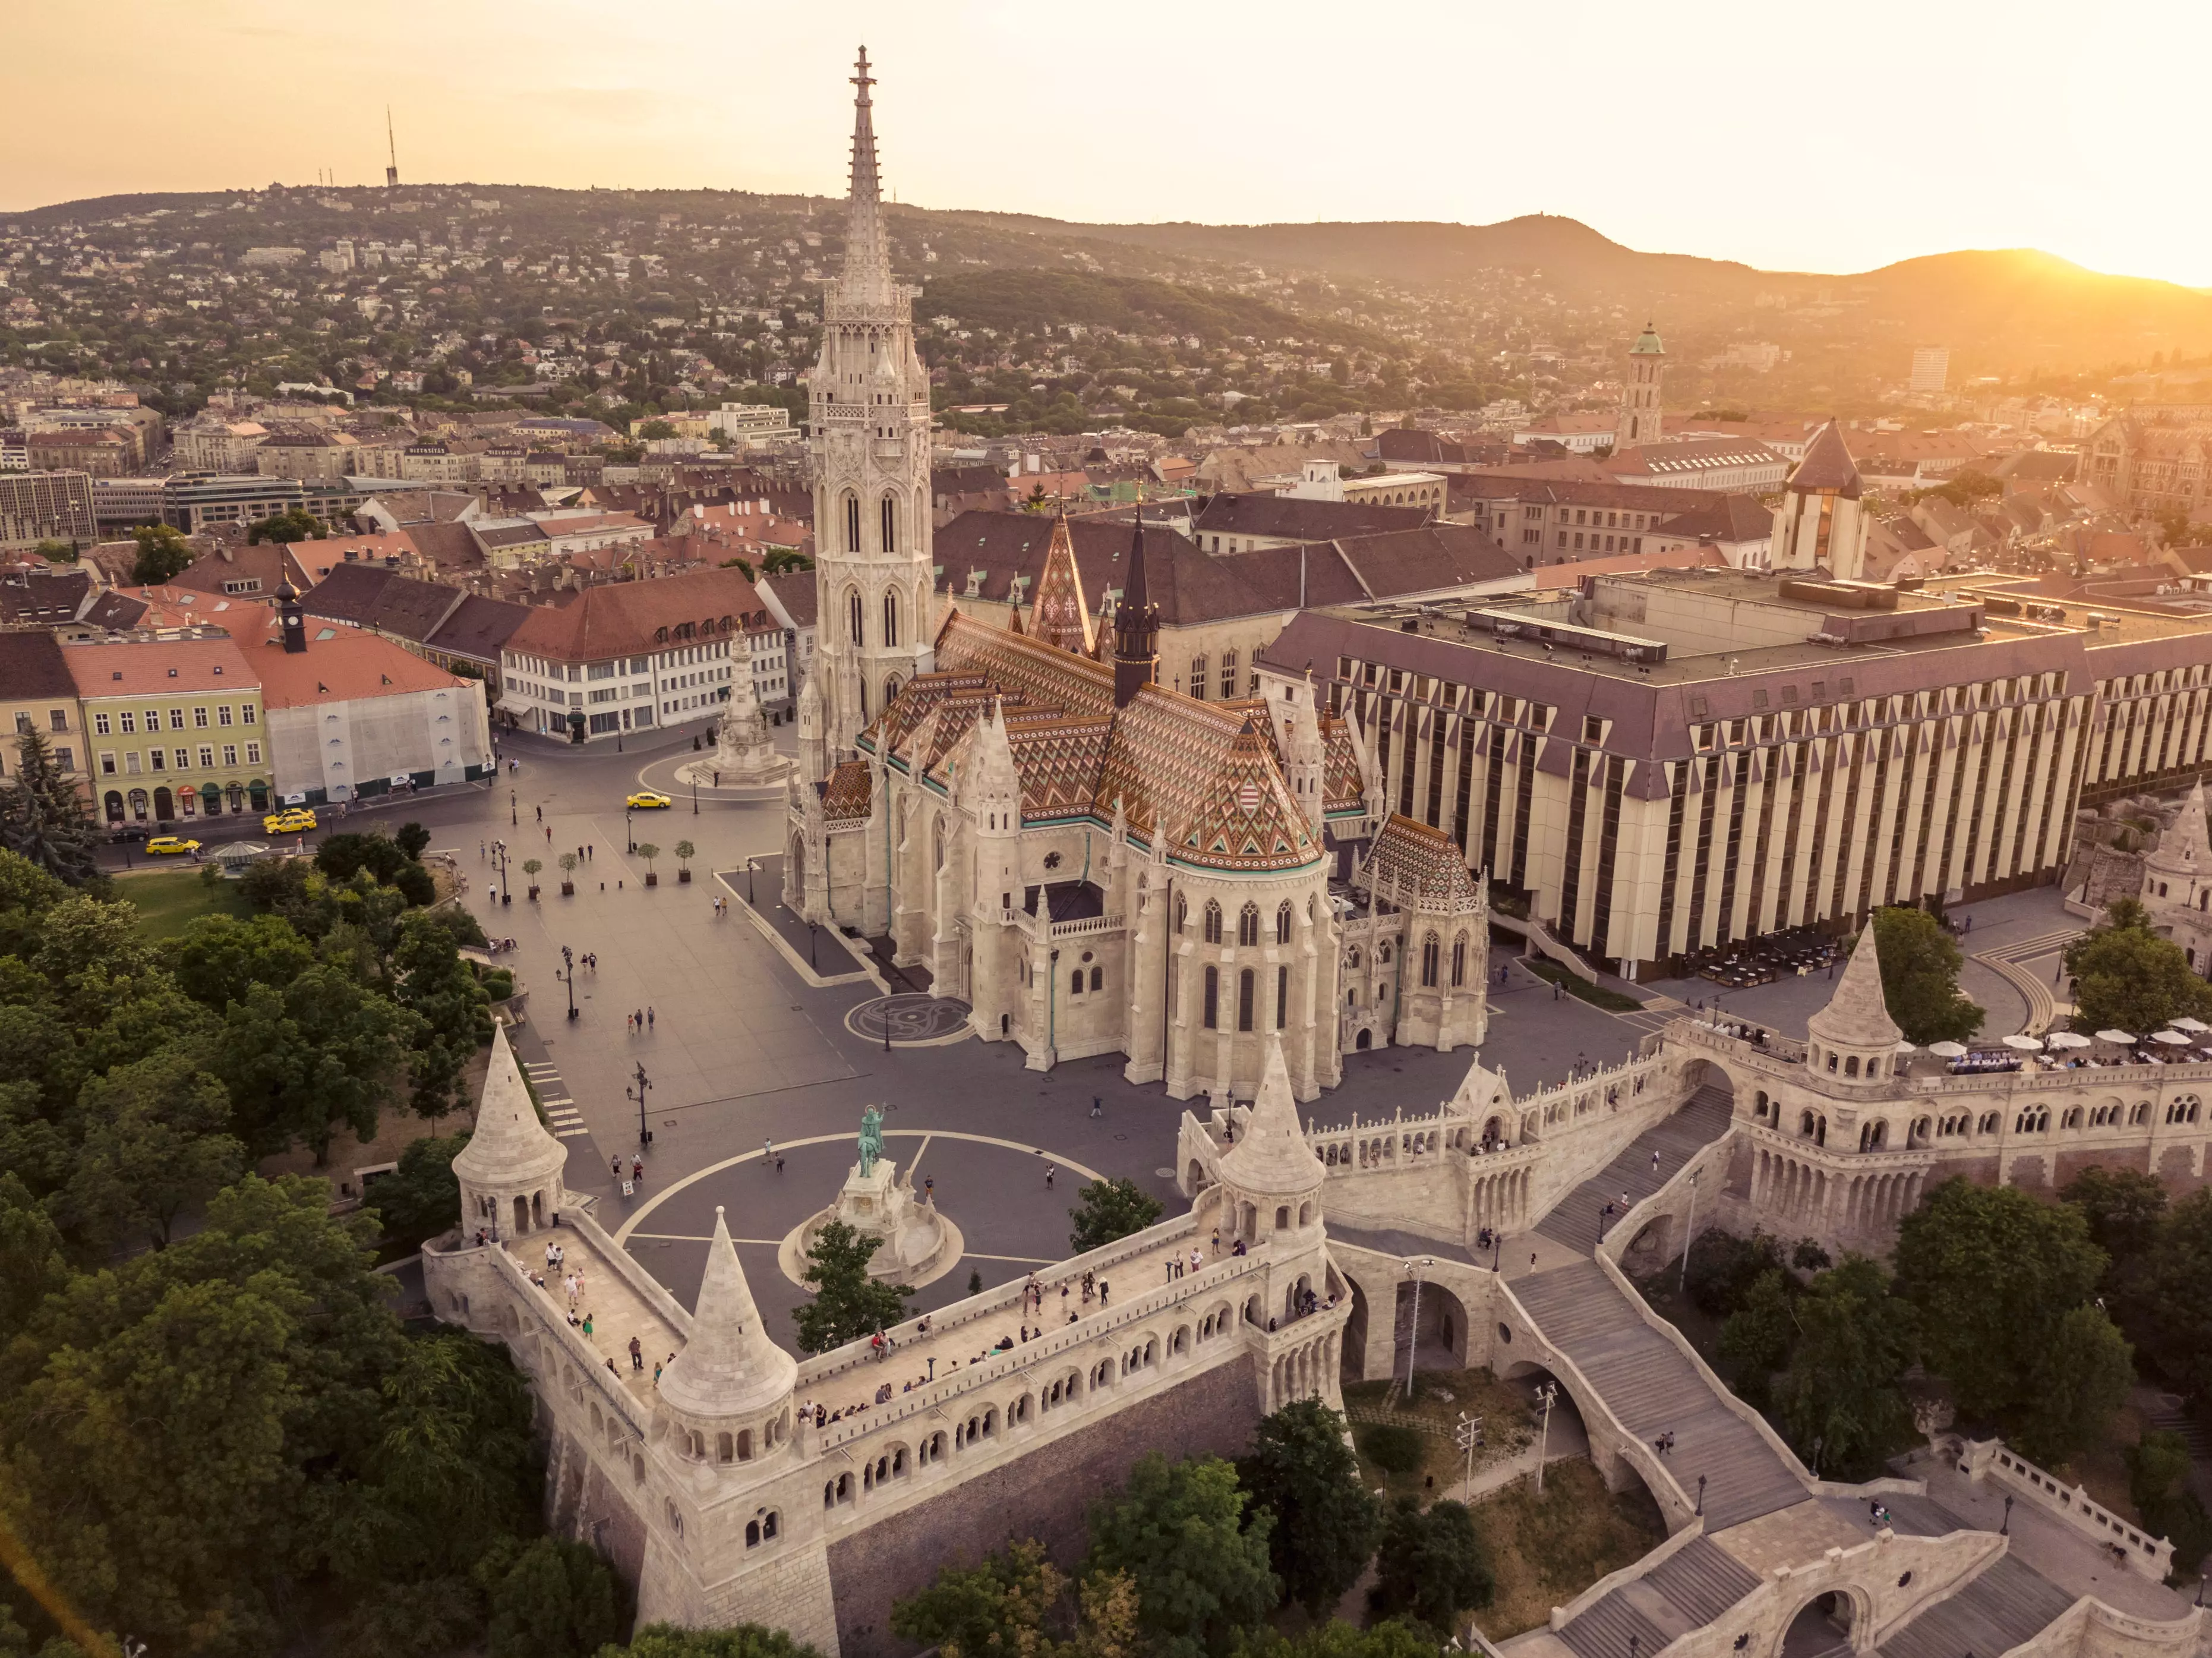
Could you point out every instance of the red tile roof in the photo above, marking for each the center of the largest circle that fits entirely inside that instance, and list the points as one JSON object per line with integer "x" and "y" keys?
{"x": 134, "y": 667}
{"x": 341, "y": 664}
{"x": 622, "y": 619}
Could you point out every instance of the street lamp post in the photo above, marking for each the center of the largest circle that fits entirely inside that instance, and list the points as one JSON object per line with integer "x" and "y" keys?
{"x": 637, "y": 1093}
{"x": 568, "y": 977}
{"x": 1689, "y": 1231}
{"x": 1701, "y": 1495}
{"x": 514, "y": 807}
{"x": 1420, "y": 1264}
{"x": 813, "y": 928}
{"x": 750, "y": 865}
{"x": 1545, "y": 1395}
{"x": 629, "y": 833}
{"x": 695, "y": 796}
{"x": 1468, "y": 1434}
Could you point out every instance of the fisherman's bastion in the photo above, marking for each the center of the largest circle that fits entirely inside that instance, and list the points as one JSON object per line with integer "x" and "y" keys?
{"x": 1222, "y": 893}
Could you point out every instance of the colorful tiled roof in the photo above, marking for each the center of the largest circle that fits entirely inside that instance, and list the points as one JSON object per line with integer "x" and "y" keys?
{"x": 1206, "y": 776}
{"x": 1058, "y": 617}
{"x": 1418, "y": 867}
{"x": 847, "y": 795}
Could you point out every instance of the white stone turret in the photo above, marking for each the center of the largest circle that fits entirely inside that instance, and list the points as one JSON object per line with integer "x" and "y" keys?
{"x": 813, "y": 743}
{"x": 728, "y": 1391}
{"x": 1271, "y": 1173}
{"x": 510, "y": 1170}
{"x": 1854, "y": 1040}
{"x": 1298, "y": 718}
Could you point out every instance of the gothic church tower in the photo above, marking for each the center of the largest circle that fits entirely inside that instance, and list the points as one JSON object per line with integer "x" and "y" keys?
{"x": 871, "y": 453}
{"x": 1640, "y": 394}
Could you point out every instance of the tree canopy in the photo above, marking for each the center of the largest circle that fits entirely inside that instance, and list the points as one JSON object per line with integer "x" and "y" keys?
{"x": 2128, "y": 977}
{"x": 1326, "y": 1524}
{"x": 1198, "y": 1561}
{"x": 847, "y": 1303}
{"x": 1107, "y": 1209}
{"x": 1431, "y": 1566}
{"x": 43, "y": 817}
{"x": 1920, "y": 965}
{"x": 163, "y": 554}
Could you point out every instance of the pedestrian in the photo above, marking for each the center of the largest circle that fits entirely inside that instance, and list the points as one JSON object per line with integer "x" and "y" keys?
{"x": 587, "y": 1331}
{"x": 779, "y": 1164}
{"x": 767, "y": 1151}
{"x": 614, "y": 1165}
{"x": 591, "y": 851}
{"x": 1655, "y": 1161}
{"x": 648, "y": 1019}
{"x": 640, "y": 1017}
{"x": 1104, "y": 1288}
{"x": 636, "y": 1354}
{"x": 548, "y": 830}
{"x": 1049, "y": 1173}
{"x": 1196, "y": 1261}
{"x": 656, "y": 1372}
{"x": 602, "y": 887}
{"x": 629, "y": 1025}
{"x": 1624, "y": 1202}
{"x": 1097, "y": 1107}
{"x": 637, "y": 1169}
{"x": 481, "y": 853}
{"x": 541, "y": 818}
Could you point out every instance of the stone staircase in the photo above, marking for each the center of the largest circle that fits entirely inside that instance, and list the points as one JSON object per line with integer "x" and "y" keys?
{"x": 1648, "y": 1383}
{"x": 1689, "y": 1590}
{"x": 1704, "y": 1118}
{"x": 2003, "y": 1606}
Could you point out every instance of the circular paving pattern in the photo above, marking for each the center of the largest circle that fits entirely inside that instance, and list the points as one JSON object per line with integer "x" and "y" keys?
{"x": 913, "y": 1021}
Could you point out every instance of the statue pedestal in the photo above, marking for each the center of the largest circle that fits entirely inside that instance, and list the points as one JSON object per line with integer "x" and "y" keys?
{"x": 917, "y": 1244}
{"x": 745, "y": 761}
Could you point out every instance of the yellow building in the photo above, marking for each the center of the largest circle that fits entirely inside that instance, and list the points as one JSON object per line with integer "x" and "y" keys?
{"x": 174, "y": 727}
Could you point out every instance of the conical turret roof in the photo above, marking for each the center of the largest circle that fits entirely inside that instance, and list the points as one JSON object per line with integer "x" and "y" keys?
{"x": 2183, "y": 845}
{"x": 509, "y": 1146}
{"x": 1272, "y": 1159}
{"x": 1647, "y": 344}
{"x": 1857, "y": 1015}
{"x": 729, "y": 1368}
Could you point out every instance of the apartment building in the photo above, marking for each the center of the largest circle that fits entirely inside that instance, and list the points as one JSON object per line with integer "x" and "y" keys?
{"x": 174, "y": 727}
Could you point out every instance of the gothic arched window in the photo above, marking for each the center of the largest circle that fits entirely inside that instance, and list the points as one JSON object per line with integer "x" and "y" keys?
{"x": 1244, "y": 1000}
{"x": 1214, "y": 998}
{"x": 852, "y": 521}
{"x": 890, "y": 513}
{"x": 890, "y": 616}
{"x": 1429, "y": 962}
{"x": 1183, "y": 913}
{"x": 854, "y": 617}
{"x": 1198, "y": 677}
{"x": 1228, "y": 674}
{"x": 1213, "y": 922}
{"x": 1283, "y": 922}
{"x": 1248, "y": 924}
{"x": 1458, "y": 960}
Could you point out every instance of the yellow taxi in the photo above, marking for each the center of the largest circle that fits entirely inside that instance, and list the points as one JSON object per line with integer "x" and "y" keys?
{"x": 646, "y": 800}
{"x": 170, "y": 846}
{"x": 293, "y": 820}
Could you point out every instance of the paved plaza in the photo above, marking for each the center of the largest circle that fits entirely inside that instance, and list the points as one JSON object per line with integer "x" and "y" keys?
{"x": 746, "y": 1044}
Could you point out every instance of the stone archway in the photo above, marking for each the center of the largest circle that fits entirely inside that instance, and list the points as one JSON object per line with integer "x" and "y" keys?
{"x": 1824, "y": 1624}
{"x": 1441, "y": 1329}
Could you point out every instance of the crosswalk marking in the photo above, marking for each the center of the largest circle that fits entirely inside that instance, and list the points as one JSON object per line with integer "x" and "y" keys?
{"x": 549, "y": 1100}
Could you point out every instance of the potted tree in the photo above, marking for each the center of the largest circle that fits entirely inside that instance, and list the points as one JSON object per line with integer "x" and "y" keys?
{"x": 685, "y": 851}
{"x": 568, "y": 862}
{"x": 649, "y": 852}
{"x": 531, "y": 867}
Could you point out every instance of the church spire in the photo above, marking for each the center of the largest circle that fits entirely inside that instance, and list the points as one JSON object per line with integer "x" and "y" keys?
{"x": 1058, "y": 615}
{"x": 867, "y": 279}
{"x": 1136, "y": 627}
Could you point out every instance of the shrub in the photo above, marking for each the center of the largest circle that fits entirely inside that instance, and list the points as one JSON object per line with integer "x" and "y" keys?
{"x": 1393, "y": 1449}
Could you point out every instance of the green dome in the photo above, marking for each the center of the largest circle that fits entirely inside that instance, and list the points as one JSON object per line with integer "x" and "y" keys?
{"x": 1648, "y": 343}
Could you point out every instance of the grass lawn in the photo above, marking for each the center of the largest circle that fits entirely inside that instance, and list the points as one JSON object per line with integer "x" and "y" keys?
{"x": 170, "y": 900}
{"x": 1578, "y": 987}
{"x": 1546, "y": 1549}
{"x": 1434, "y": 1412}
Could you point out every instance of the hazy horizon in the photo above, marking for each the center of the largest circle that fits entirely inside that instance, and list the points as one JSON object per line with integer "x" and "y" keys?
{"x": 1764, "y": 139}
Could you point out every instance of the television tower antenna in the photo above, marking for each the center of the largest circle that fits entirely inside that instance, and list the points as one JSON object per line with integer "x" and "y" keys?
{"x": 391, "y": 172}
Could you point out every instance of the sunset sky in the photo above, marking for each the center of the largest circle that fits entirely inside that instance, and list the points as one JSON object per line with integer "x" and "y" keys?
{"x": 1787, "y": 136}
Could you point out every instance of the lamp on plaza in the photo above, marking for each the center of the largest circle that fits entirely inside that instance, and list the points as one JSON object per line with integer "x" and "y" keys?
{"x": 637, "y": 1093}
{"x": 750, "y": 865}
{"x": 813, "y": 928}
{"x": 1701, "y": 1495}
{"x": 1545, "y": 1395}
{"x": 568, "y": 977}
{"x": 628, "y": 835}
{"x": 514, "y": 807}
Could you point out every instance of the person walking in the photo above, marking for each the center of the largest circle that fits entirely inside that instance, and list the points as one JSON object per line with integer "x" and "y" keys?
{"x": 639, "y": 1016}
{"x": 768, "y": 1151}
{"x": 1654, "y": 1160}
{"x": 1097, "y": 1107}
{"x": 637, "y": 1169}
{"x": 648, "y": 1019}
{"x": 636, "y": 1354}
{"x": 1049, "y": 1171}
{"x": 541, "y": 815}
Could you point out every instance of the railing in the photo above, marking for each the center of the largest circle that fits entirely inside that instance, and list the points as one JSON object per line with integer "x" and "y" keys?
{"x": 1022, "y": 1357}
{"x": 587, "y": 1359}
{"x": 855, "y": 1354}
{"x": 1788, "y": 1050}
{"x": 1993, "y": 1458}
{"x": 1081, "y": 927}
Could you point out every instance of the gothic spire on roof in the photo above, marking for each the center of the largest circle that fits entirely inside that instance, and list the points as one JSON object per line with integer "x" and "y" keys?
{"x": 1057, "y": 614}
{"x": 509, "y": 1146}
{"x": 1272, "y": 1158}
{"x": 867, "y": 278}
{"x": 729, "y": 1368}
{"x": 1136, "y": 626}
{"x": 1857, "y": 1015}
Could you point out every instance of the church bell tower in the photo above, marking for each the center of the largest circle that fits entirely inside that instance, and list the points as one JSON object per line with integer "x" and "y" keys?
{"x": 870, "y": 439}
{"x": 1640, "y": 396}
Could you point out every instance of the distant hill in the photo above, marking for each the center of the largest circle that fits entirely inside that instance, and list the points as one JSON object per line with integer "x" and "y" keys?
{"x": 2011, "y": 307}
{"x": 1010, "y": 300}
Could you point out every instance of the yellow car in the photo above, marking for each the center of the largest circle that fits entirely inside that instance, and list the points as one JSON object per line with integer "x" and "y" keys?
{"x": 646, "y": 800}
{"x": 293, "y": 820}
{"x": 169, "y": 845}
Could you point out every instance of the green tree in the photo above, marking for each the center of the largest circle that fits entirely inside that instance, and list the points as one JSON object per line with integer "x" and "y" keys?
{"x": 1999, "y": 1279}
{"x": 294, "y": 524}
{"x": 163, "y": 555}
{"x": 685, "y": 851}
{"x": 1756, "y": 1338}
{"x": 1920, "y": 965}
{"x": 1197, "y": 1561}
{"x": 340, "y": 856}
{"x": 422, "y": 1196}
{"x": 1841, "y": 1387}
{"x": 217, "y": 958}
{"x": 56, "y": 552}
{"x": 32, "y": 1266}
{"x": 847, "y": 1303}
{"x": 744, "y": 1641}
{"x": 2159, "y": 1467}
{"x": 783, "y": 561}
{"x": 413, "y": 839}
{"x": 155, "y": 1142}
{"x": 1431, "y": 1566}
{"x": 1722, "y": 1268}
{"x": 42, "y": 816}
{"x": 998, "y": 1608}
{"x": 649, "y": 852}
{"x": 2176, "y": 1295}
{"x": 1394, "y": 1637}
{"x": 433, "y": 983}
{"x": 549, "y": 1599}
{"x": 1326, "y": 1524}
{"x": 304, "y": 1059}
{"x": 1107, "y": 1209}
{"x": 655, "y": 430}
{"x": 2127, "y": 976}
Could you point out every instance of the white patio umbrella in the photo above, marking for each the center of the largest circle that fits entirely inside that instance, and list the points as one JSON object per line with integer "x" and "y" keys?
{"x": 1948, "y": 1049}
{"x": 2024, "y": 1044}
{"x": 2172, "y": 1038}
{"x": 1908, "y": 1047}
{"x": 2066, "y": 1039}
{"x": 2121, "y": 1037}
{"x": 2193, "y": 1025}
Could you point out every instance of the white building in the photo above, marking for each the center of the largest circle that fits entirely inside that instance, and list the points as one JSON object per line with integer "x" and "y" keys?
{"x": 1931, "y": 369}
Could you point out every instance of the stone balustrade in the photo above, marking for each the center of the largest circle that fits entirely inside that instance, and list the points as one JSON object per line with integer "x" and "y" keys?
{"x": 1994, "y": 1460}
